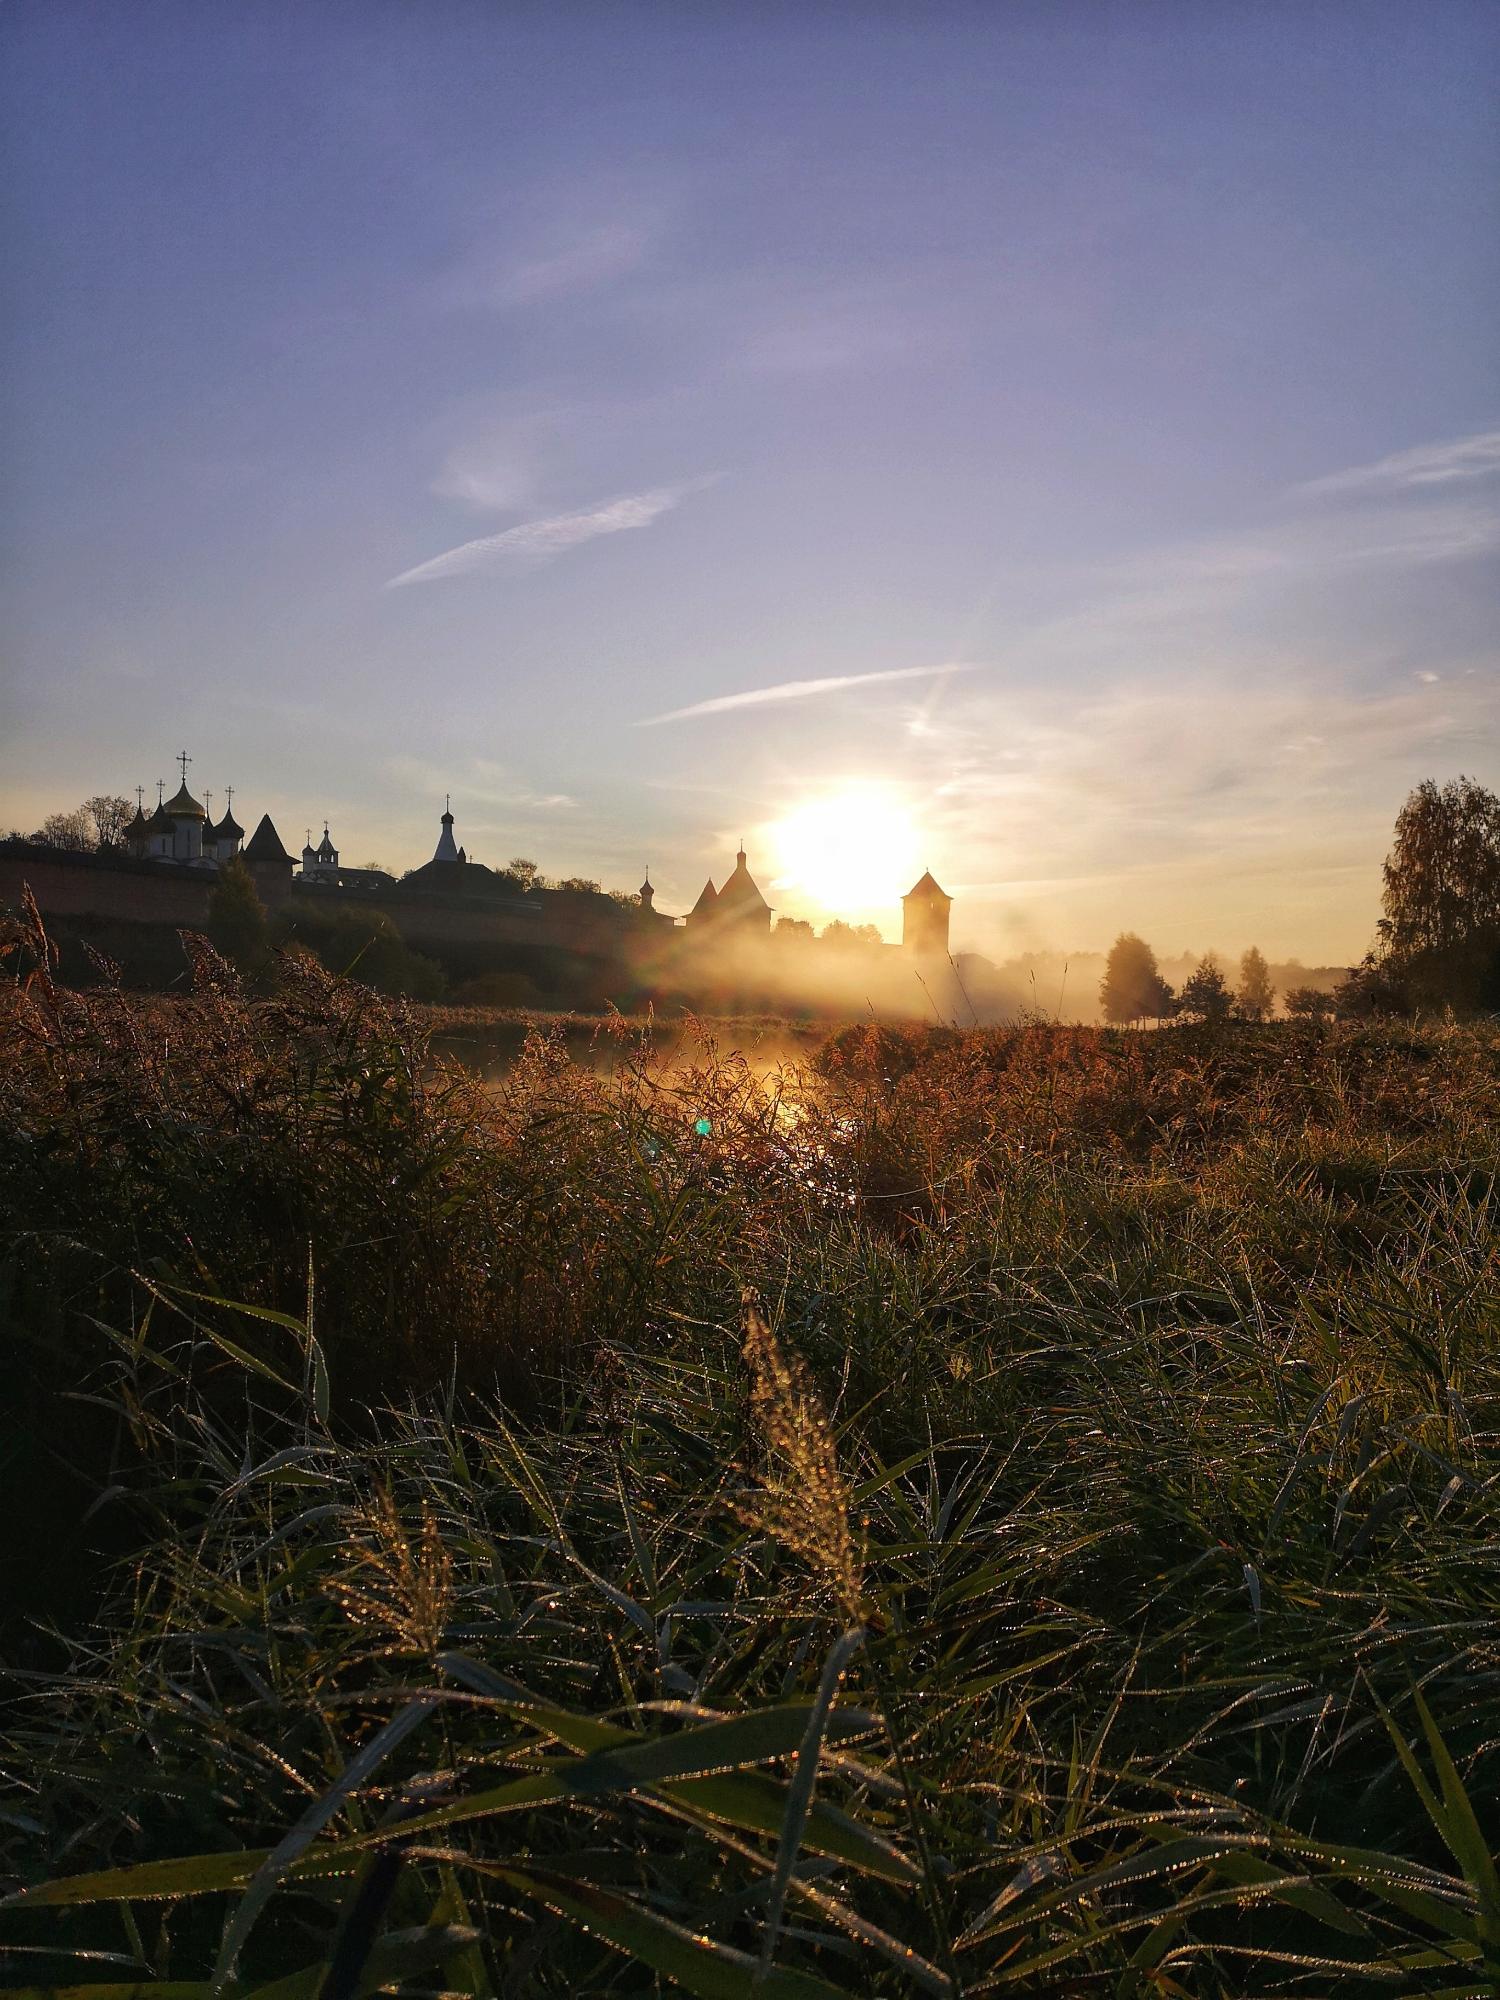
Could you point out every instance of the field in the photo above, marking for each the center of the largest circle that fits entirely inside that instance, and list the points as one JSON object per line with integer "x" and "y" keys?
{"x": 1004, "y": 1511}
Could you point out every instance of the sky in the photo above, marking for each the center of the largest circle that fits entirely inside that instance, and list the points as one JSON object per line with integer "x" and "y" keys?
{"x": 1058, "y": 446}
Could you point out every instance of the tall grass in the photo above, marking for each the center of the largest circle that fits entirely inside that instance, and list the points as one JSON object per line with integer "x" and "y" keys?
{"x": 1012, "y": 1511}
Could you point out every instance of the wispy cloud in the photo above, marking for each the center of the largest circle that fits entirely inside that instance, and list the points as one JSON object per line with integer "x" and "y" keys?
{"x": 560, "y": 244}
{"x": 797, "y": 691}
{"x": 534, "y": 543}
{"x": 1186, "y": 596}
{"x": 1476, "y": 457}
{"x": 593, "y": 259}
{"x": 1177, "y": 796}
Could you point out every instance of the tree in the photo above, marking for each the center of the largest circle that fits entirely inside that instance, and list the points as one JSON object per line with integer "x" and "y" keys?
{"x": 524, "y": 871}
{"x": 579, "y": 885}
{"x": 1442, "y": 876}
{"x": 109, "y": 816}
{"x": 236, "y": 916}
{"x": 1256, "y": 998}
{"x": 792, "y": 928}
{"x": 1375, "y": 987}
{"x": 72, "y": 831}
{"x": 1205, "y": 992}
{"x": 1439, "y": 940}
{"x": 1132, "y": 988}
{"x": 1308, "y": 1003}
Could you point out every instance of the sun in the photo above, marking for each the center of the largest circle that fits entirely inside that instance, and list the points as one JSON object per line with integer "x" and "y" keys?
{"x": 849, "y": 851}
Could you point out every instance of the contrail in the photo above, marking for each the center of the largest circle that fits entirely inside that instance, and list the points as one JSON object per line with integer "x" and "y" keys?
{"x": 536, "y": 542}
{"x": 798, "y": 691}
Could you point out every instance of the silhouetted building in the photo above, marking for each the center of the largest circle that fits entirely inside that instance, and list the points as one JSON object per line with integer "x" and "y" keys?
{"x": 222, "y": 843}
{"x": 269, "y": 863}
{"x": 445, "y": 849}
{"x": 320, "y": 863}
{"x": 738, "y": 906}
{"x": 568, "y": 940}
{"x": 181, "y": 830}
{"x": 924, "y": 917}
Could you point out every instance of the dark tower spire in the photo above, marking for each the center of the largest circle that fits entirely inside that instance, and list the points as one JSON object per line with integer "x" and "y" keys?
{"x": 447, "y": 847}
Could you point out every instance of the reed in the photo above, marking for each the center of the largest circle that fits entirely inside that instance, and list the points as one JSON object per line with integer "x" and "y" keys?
{"x": 982, "y": 1512}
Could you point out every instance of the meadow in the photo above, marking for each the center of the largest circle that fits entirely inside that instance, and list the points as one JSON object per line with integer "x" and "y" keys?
{"x": 975, "y": 1512}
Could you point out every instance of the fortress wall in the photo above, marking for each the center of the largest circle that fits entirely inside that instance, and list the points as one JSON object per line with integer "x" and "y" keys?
{"x": 273, "y": 882}
{"x": 76, "y": 886}
{"x": 430, "y": 923}
{"x": 142, "y": 892}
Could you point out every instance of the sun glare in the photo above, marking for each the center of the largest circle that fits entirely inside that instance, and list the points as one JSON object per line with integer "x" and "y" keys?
{"x": 851, "y": 851}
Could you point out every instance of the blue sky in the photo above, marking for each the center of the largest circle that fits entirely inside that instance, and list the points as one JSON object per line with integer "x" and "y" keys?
{"x": 1102, "y": 404}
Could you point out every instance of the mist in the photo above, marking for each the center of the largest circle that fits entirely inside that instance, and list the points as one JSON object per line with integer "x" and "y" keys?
{"x": 799, "y": 976}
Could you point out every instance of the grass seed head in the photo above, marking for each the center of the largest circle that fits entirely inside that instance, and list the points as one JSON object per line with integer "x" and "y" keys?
{"x": 401, "y": 1588}
{"x": 803, "y": 1501}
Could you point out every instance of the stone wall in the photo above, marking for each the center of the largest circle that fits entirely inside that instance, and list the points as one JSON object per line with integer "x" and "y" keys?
{"x": 116, "y": 887}
{"x": 540, "y": 936}
{"x": 84, "y": 885}
{"x": 433, "y": 923}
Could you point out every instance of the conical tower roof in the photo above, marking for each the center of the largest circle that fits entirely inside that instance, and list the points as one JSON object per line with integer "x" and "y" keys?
{"x": 926, "y": 885}
{"x": 739, "y": 894}
{"x": 708, "y": 900}
{"x": 265, "y": 843}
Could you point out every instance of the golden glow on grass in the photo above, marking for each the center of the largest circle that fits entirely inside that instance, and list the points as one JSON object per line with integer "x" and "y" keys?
{"x": 853, "y": 849}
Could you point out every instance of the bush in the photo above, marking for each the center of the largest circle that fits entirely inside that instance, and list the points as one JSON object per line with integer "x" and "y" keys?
{"x": 363, "y": 945}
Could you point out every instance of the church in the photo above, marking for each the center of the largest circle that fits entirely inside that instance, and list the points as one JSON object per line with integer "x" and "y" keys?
{"x": 738, "y": 908}
{"x": 183, "y": 832}
{"x": 470, "y": 915}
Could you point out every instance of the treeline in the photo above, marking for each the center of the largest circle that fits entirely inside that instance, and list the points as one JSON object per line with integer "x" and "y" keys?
{"x": 98, "y": 822}
{"x": 1133, "y": 988}
{"x": 1437, "y": 946}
